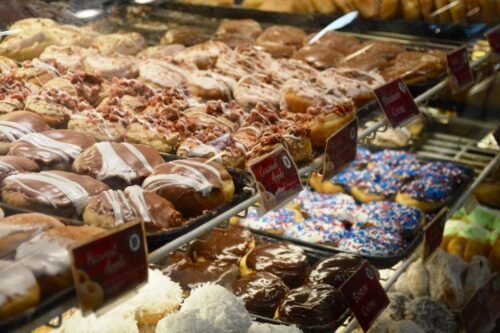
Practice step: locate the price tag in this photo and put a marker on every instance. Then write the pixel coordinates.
(340, 149)
(493, 37)
(110, 266)
(459, 70)
(365, 296)
(397, 102)
(434, 233)
(476, 314)
(276, 177)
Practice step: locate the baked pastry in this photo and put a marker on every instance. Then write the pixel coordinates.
(70, 56)
(158, 73)
(117, 164)
(283, 259)
(165, 52)
(13, 91)
(121, 43)
(204, 55)
(281, 41)
(209, 85)
(228, 244)
(54, 149)
(254, 89)
(101, 126)
(111, 66)
(184, 35)
(90, 87)
(19, 290)
(112, 208)
(18, 228)
(16, 124)
(10, 165)
(53, 192)
(260, 292)
(319, 55)
(181, 269)
(243, 61)
(311, 305)
(369, 9)
(415, 67)
(297, 140)
(286, 69)
(37, 72)
(192, 185)
(47, 256)
(246, 27)
(411, 9)
(7, 65)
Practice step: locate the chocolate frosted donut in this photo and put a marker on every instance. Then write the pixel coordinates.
(16, 124)
(112, 208)
(229, 244)
(54, 149)
(281, 41)
(190, 275)
(311, 305)
(261, 292)
(334, 270)
(10, 165)
(192, 185)
(117, 164)
(283, 259)
(52, 192)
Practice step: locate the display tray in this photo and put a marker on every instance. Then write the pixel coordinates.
(318, 21)
(377, 261)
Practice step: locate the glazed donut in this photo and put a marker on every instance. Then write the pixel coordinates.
(98, 125)
(10, 165)
(121, 66)
(210, 85)
(243, 61)
(111, 208)
(245, 27)
(117, 164)
(52, 192)
(281, 41)
(16, 124)
(204, 55)
(162, 74)
(25, 45)
(319, 55)
(54, 149)
(184, 35)
(192, 185)
(297, 140)
(228, 244)
(254, 89)
(119, 43)
(282, 259)
(286, 69)
(19, 290)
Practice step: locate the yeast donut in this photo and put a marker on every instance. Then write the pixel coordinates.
(243, 61)
(319, 55)
(54, 149)
(281, 41)
(16, 124)
(204, 55)
(112, 208)
(52, 192)
(184, 35)
(126, 43)
(245, 27)
(121, 66)
(158, 73)
(192, 185)
(165, 52)
(10, 165)
(254, 89)
(117, 164)
(101, 126)
(210, 85)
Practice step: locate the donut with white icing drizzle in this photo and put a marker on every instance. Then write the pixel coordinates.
(16, 124)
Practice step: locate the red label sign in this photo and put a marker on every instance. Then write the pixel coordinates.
(110, 266)
(276, 177)
(434, 233)
(340, 149)
(481, 311)
(493, 37)
(459, 70)
(365, 296)
(397, 102)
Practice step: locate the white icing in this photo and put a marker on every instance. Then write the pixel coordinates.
(44, 256)
(13, 130)
(66, 151)
(73, 191)
(196, 148)
(136, 195)
(190, 164)
(128, 204)
(6, 167)
(16, 281)
(139, 156)
(157, 182)
(112, 164)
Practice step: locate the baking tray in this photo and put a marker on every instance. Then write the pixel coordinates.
(244, 189)
(388, 261)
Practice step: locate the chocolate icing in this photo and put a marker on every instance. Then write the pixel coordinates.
(311, 305)
(52, 147)
(15, 124)
(111, 161)
(10, 165)
(190, 275)
(283, 259)
(334, 270)
(57, 192)
(261, 292)
(229, 244)
(134, 204)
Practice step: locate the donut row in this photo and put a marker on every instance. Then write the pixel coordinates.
(273, 279)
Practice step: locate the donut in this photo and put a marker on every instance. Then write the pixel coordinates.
(316, 230)
(317, 183)
(119, 43)
(374, 185)
(109, 209)
(311, 305)
(411, 9)
(7, 65)
(54, 149)
(427, 194)
(389, 9)
(282, 35)
(70, 56)
(161, 51)
(282, 259)
(243, 61)
(10, 165)
(228, 244)
(117, 164)
(374, 242)
(245, 27)
(100, 126)
(109, 67)
(414, 67)
(16, 124)
(192, 185)
(297, 141)
(210, 85)
(254, 89)
(158, 73)
(89, 86)
(53, 192)
(318, 55)
(311, 201)
(184, 35)
(13, 91)
(234, 40)
(286, 69)
(260, 292)
(369, 9)
(203, 55)
(275, 221)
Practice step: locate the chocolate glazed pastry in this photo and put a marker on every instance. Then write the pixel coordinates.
(55, 149)
(311, 305)
(10, 165)
(189, 275)
(283, 259)
(229, 244)
(335, 270)
(14, 125)
(118, 164)
(192, 185)
(261, 292)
